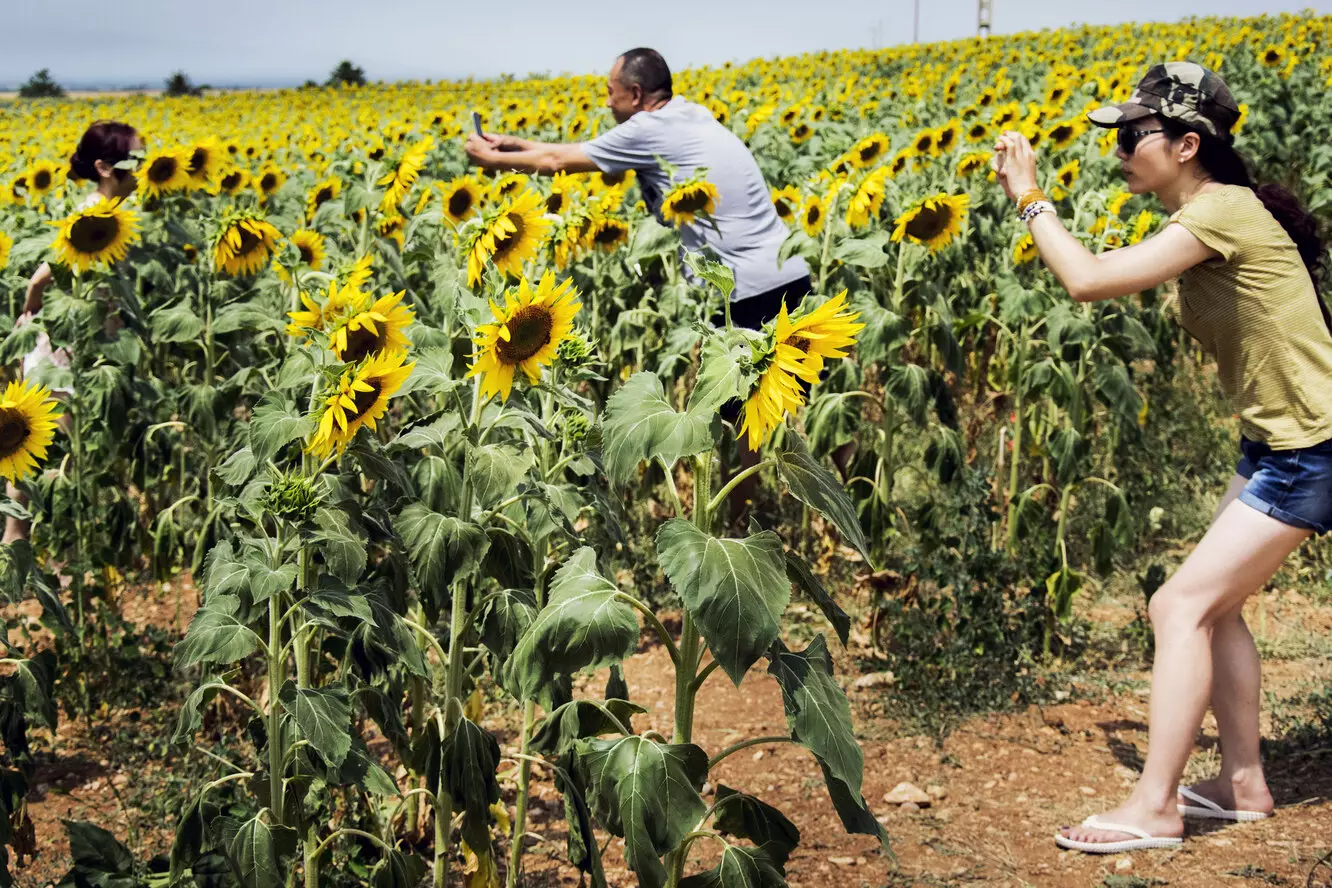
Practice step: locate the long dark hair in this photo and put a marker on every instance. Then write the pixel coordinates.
(1226, 165)
(105, 140)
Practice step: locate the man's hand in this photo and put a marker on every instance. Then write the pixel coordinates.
(482, 152)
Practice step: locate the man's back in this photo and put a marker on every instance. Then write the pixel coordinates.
(749, 232)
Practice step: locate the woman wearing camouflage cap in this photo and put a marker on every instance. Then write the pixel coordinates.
(1248, 260)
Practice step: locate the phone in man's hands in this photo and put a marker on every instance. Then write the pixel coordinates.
(476, 123)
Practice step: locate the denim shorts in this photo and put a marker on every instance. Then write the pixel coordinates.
(1293, 486)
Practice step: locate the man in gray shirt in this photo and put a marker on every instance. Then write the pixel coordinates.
(654, 123)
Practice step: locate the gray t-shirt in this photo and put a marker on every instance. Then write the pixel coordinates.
(687, 136)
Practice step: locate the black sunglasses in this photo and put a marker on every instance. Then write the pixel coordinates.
(1129, 138)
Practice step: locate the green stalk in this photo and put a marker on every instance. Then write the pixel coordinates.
(1019, 359)
(418, 692)
(827, 237)
(525, 768)
(300, 649)
(277, 787)
(889, 424)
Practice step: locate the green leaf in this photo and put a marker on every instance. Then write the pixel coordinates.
(495, 470)
(224, 572)
(99, 858)
(360, 769)
(819, 489)
(36, 685)
(190, 720)
(469, 757)
(744, 816)
(265, 581)
(276, 422)
(651, 238)
(711, 271)
(584, 625)
(580, 719)
(799, 573)
(237, 468)
(581, 845)
(863, 252)
(433, 373)
(324, 718)
(735, 590)
(911, 389)
(343, 550)
(725, 374)
(443, 549)
(641, 424)
(647, 793)
(400, 870)
(817, 711)
(257, 850)
(433, 431)
(503, 619)
(851, 808)
(176, 323)
(216, 634)
(739, 867)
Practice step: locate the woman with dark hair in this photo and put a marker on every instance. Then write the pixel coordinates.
(104, 156)
(1248, 261)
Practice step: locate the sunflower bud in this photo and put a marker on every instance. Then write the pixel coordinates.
(576, 427)
(576, 349)
(291, 498)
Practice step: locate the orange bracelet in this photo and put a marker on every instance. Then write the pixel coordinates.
(1027, 198)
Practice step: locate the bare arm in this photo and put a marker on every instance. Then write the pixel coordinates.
(1090, 278)
(510, 153)
(37, 284)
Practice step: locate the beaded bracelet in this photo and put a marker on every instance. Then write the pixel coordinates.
(1030, 197)
(1034, 209)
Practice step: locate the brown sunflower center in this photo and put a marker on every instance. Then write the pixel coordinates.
(162, 170)
(977, 131)
(813, 214)
(529, 332)
(41, 180)
(1066, 178)
(198, 160)
(608, 233)
(1061, 132)
(869, 152)
(323, 196)
(377, 154)
(693, 201)
(783, 208)
(268, 182)
(460, 202)
(92, 234)
(307, 253)
(555, 203)
(801, 130)
(946, 140)
(612, 178)
(13, 432)
(231, 181)
(366, 400)
(929, 222)
(249, 242)
(507, 240)
(361, 343)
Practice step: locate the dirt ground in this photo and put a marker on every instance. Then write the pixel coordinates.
(1002, 783)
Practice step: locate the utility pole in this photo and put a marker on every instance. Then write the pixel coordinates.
(915, 23)
(983, 13)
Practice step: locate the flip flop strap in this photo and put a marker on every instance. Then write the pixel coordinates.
(1201, 800)
(1097, 823)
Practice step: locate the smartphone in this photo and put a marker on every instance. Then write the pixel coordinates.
(476, 123)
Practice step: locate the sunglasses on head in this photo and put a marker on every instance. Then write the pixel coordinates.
(1129, 138)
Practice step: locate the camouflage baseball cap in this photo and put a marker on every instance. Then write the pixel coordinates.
(1183, 91)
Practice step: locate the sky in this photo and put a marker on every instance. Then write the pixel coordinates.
(95, 43)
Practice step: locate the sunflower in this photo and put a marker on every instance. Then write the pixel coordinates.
(360, 399)
(562, 190)
(6, 242)
(868, 150)
(977, 132)
(1142, 226)
(310, 247)
(1025, 251)
(933, 221)
(945, 137)
(801, 132)
(234, 180)
(394, 228)
(269, 180)
(399, 181)
(378, 328)
(605, 232)
(340, 305)
(461, 198)
(923, 144)
(244, 242)
(203, 162)
(507, 237)
(1062, 134)
(527, 333)
(99, 235)
(973, 162)
(1272, 57)
(1065, 177)
(867, 200)
(776, 394)
(822, 333)
(899, 163)
(786, 201)
(609, 181)
(27, 426)
(507, 186)
(813, 214)
(165, 172)
(1244, 116)
(322, 194)
(42, 178)
(689, 200)
(357, 274)
(1115, 205)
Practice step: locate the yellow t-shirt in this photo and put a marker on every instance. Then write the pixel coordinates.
(1256, 311)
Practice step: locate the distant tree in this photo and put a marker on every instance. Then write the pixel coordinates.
(41, 86)
(347, 74)
(309, 84)
(178, 84)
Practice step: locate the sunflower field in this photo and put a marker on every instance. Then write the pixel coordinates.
(435, 444)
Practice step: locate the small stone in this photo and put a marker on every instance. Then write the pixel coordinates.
(860, 861)
(1086, 790)
(758, 756)
(874, 680)
(909, 808)
(1021, 799)
(938, 793)
(907, 792)
(842, 861)
(990, 784)
(1221, 843)
(1124, 863)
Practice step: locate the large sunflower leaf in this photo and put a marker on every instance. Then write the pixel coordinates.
(641, 424)
(343, 550)
(584, 625)
(495, 470)
(739, 867)
(580, 719)
(257, 851)
(469, 757)
(276, 422)
(176, 323)
(819, 489)
(647, 793)
(216, 634)
(799, 573)
(442, 549)
(324, 718)
(725, 374)
(744, 816)
(735, 590)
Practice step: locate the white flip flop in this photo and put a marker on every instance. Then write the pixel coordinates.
(1143, 842)
(1209, 810)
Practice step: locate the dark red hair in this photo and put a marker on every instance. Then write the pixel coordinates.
(109, 141)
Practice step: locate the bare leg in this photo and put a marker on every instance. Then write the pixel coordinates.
(1236, 696)
(1236, 557)
(14, 528)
